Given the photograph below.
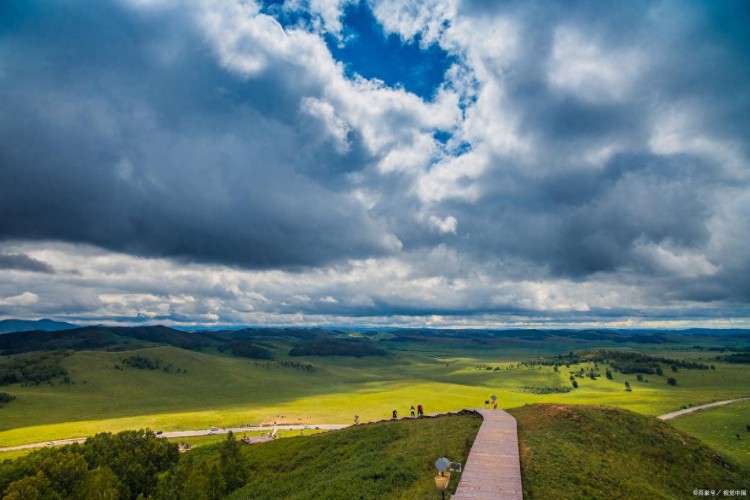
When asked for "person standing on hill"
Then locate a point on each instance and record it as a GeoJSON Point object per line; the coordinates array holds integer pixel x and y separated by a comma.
{"type": "Point", "coordinates": [420, 410]}
{"type": "Point", "coordinates": [356, 419]}
{"type": "Point", "coordinates": [412, 411]}
{"type": "Point", "coordinates": [395, 414]}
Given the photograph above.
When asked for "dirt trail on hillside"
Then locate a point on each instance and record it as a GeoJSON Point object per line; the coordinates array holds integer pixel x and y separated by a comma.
{"type": "Point", "coordinates": [675, 414]}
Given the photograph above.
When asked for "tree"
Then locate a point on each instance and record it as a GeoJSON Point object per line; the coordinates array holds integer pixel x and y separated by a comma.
{"type": "Point", "coordinates": [671, 381]}
{"type": "Point", "coordinates": [575, 384]}
{"type": "Point", "coordinates": [639, 377]}
{"type": "Point", "coordinates": [196, 485]}
{"type": "Point", "coordinates": [659, 371]}
{"type": "Point", "coordinates": [232, 463]}
{"type": "Point", "coordinates": [100, 484]}
{"type": "Point", "coordinates": [135, 457]}
{"type": "Point", "coordinates": [609, 374]}
{"type": "Point", "coordinates": [65, 470]}
{"type": "Point", "coordinates": [215, 483]}
{"type": "Point", "coordinates": [673, 367]}
{"type": "Point", "coordinates": [35, 487]}
{"type": "Point", "coordinates": [171, 485]}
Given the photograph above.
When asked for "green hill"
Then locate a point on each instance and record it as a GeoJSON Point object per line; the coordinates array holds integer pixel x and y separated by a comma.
{"type": "Point", "coordinates": [389, 460]}
{"type": "Point", "coordinates": [598, 452]}
{"type": "Point", "coordinates": [566, 452]}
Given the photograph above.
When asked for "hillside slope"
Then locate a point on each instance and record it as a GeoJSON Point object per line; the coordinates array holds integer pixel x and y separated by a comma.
{"type": "Point", "coordinates": [599, 452]}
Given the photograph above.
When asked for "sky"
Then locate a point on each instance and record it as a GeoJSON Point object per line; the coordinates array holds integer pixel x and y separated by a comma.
{"type": "Point", "coordinates": [439, 163]}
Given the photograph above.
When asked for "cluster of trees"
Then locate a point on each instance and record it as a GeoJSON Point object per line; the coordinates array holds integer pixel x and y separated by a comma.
{"type": "Point", "coordinates": [337, 347]}
{"type": "Point", "coordinates": [623, 362]}
{"type": "Point", "coordinates": [546, 390]}
{"type": "Point", "coordinates": [592, 373]}
{"type": "Point", "coordinates": [740, 357]}
{"type": "Point", "coordinates": [129, 465]}
{"type": "Point", "coordinates": [125, 466]}
{"type": "Point", "coordinates": [145, 363]}
{"type": "Point", "coordinates": [206, 479]}
{"type": "Point", "coordinates": [6, 398]}
{"type": "Point", "coordinates": [33, 369]}
{"type": "Point", "coordinates": [488, 368]}
{"type": "Point", "coordinates": [304, 367]}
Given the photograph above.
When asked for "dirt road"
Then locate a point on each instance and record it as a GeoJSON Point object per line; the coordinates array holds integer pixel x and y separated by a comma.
{"type": "Point", "coordinates": [675, 414]}
{"type": "Point", "coordinates": [201, 432]}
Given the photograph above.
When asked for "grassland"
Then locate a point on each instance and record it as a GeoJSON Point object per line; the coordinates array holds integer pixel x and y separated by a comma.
{"type": "Point", "coordinates": [566, 452]}
{"type": "Point", "coordinates": [212, 389]}
{"type": "Point", "coordinates": [596, 452]}
{"type": "Point", "coordinates": [719, 427]}
{"type": "Point", "coordinates": [392, 460]}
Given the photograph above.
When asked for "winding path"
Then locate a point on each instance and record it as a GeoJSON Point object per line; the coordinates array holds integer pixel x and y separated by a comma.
{"type": "Point", "coordinates": [183, 434]}
{"type": "Point", "coordinates": [675, 414]}
{"type": "Point", "coordinates": [493, 469]}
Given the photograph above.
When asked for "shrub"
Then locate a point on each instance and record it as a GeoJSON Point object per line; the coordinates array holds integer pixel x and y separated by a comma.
{"type": "Point", "coordinates": [671, 381]}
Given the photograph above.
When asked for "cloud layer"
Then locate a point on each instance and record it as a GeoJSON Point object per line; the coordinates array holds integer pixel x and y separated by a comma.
{"type": "Point", "coordinates": [586, 163]}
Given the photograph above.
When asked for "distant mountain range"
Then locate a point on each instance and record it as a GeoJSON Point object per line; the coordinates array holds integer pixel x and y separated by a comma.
{"type": "Point", "coordinates": [44, 325]}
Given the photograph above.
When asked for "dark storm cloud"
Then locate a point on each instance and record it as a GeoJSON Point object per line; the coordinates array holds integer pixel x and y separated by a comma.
{"type": "Point", "coordinates": [606, 170]}
{"type": "Point", "coordinates": [24, 263]}
{"type": "Point", "coordinates": [575, 219]}
{"type": "Point", "coordinates": [121, 130]}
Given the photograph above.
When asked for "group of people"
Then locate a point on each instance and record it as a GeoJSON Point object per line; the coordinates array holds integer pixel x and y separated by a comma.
{"type": "Point", "coordinates": [419, 412]}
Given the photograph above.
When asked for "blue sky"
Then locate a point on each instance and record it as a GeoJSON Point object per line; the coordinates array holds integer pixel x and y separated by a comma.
{"type": "Point", "coordinates": [434, 162]}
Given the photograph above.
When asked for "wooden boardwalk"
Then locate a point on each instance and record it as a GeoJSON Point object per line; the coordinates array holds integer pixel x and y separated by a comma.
{"type": "Point", "coordinates": [493, 469]}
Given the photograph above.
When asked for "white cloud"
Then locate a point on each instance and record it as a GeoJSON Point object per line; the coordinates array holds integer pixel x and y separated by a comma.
{"type": "Point", "coordinates": [681, 130]}
{"type": "Point", "coordinates": [683, 264]}
{"type": "Point", "coordinates": [445, 225]}
{"type": "Point", "coordinates": [580, 66]}
{"type": "Point", "coordinates": [24, 299]}
{"type": "Point", "coordinates": [409, 18]}
{"type": "Point", "coordinates": [336, 127]}
{"type": "Point", "coordinates": [112, 285]}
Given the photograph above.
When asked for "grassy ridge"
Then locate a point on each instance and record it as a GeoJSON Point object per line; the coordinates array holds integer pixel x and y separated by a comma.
{"type": "Point", "coordinates": [391, 460]}
{"type": "Point", "coordinates": [596, 452]}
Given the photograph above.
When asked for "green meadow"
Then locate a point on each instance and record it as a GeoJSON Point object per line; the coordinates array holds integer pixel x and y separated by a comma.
{"type": "Point", "coordinates": [601, 453]}
{"type": "Point", "coordinates": [726, 428]}
{"type": "Point", "coordinates": [207, 388]}
{"type": "Point", "coordinates": [566, 451]}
